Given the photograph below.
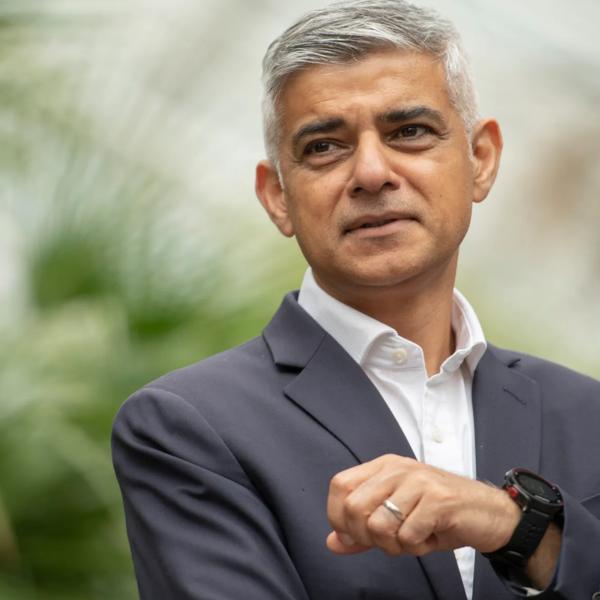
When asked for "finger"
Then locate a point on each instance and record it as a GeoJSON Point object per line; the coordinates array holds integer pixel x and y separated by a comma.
{"type": "Point", "coordinates": [337, 544]}
{"type": "Point", "coordinates": [360, 504]}
{"type": "Point", "coordinates": [418, 535]}
{"type": "Point", "coordinates": [342, 485]}
{"type": "Point", "coordinates": [383, 528]}
{"type": "Point", "coordinates": [352, 513]}
{"type": "Point", "coordinates": [386, 521]}
{"type": "Point", "coordinates": [393, 510]}
{"type": "Point", "coordinates": [355, 493]}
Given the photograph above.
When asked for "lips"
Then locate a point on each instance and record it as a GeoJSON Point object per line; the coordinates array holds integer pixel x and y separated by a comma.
{"type": "Point", "coordinates": [375, 221]}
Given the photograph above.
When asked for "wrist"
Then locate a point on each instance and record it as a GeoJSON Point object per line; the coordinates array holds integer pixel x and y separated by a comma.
{"type": "Point", "coordinates": [503, 517]}
{"type": "Point", "coordinates": [511, 517]}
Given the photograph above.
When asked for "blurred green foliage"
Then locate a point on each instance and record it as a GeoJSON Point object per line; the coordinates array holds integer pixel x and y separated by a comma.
{"type": "Point", "coordinates": [114, 296]}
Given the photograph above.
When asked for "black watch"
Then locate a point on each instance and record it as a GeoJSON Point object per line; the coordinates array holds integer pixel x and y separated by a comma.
{"type": "Point", "coordinates": [541, 504]}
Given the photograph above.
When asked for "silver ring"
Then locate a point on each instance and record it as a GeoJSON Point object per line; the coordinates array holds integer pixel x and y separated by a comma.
{"type": "Point", "coordinates": [398, 514]}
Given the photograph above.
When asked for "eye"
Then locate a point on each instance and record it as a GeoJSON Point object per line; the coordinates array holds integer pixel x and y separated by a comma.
{"type": "Point", "coordinates": [319, 147]}
{"type": "Point", "coordinates": [320, 153]}
{"type": "Point", "coordinates": [412, 131]}
{"type": "Point", "coordinates": [414, 137]}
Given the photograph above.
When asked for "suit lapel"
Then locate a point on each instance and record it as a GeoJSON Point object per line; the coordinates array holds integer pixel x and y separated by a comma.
{"type": "Point", "coordinates": [335, 391]}
{"type": "Point", "coordinates": [333, 388]}
{"type": "Point", "coordinates": [507, 415]}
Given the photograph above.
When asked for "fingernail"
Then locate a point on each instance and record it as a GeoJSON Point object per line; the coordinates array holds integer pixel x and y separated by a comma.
{"type": "Point", "coordinates": [346, 539]}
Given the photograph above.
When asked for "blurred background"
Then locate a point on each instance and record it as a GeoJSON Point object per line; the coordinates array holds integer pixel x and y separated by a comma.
{"type": "Point", "coordinates": [131, 242]}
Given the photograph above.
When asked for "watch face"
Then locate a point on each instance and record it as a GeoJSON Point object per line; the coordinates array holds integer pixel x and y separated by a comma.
{"type": "Point", "coordinates": [538, 487]}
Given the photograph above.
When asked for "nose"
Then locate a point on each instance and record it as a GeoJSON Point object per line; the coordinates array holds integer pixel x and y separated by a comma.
{"type": "Point", "coordinates": [372, 170]}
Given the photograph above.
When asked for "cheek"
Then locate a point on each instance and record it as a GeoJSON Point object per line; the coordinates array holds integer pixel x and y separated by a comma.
{"type": "Point", "coordinates": [448, 192]}
{"type": "Point", "coordinates": [313, 202]}
{"type": "Point", "coordinates": [450, 181]}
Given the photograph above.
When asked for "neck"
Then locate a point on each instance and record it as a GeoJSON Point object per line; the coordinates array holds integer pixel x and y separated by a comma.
{"type": "Point", "coordinates": [419, 311]}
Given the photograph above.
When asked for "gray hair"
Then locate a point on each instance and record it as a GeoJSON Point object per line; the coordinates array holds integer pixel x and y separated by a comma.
{"type": "Point", "coordinates": [348, 31]}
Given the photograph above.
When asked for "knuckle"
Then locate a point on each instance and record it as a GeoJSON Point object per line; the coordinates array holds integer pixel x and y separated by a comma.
{"type": "Point", "coordinates": [381, 528]}
{"type": "Point", "coordinates": [353, 506]}
{"type": "Point", "coordinates": [408, 538]}
{"type": "Point", "coordinates": [422, 477]}
{"type": "Point", "coordinates": [446, 503]}
{"type": "Point", "coordinates": [392, 478]}
{"type": "Point", "coordinates": [340, 482]}
{"type": "Point", "coordinates": [394, 459]}
{"type": "Point", "coordinates": [442, 494]}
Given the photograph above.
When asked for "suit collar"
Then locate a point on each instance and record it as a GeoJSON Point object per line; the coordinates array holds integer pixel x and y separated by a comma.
{"type": "Point", "coordinates": [293, 335]}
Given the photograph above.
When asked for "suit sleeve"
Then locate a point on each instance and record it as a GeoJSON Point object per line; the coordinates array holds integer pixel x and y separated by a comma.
{"type": "Point", "coordinates": [577, 574]}
{"type": "Point", "coordinates": [197, 527]}
{"type": "Point", "coordinates": [578, 571]}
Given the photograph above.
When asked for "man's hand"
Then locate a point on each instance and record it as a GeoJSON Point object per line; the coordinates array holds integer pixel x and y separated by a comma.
{"type": "Point", "coordinates": [442, 511]}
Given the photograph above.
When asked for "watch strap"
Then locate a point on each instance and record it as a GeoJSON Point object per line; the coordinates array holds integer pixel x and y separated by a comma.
{"type": "Point", "coordinates": [524, 541]}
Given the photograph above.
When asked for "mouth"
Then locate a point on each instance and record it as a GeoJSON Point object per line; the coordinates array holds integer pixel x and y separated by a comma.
{"type": "Point", "coordinates": [376, 225]}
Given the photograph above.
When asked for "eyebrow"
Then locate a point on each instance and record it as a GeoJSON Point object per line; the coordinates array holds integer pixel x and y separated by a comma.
{"type": "Point", "coordinates": [415, 112]}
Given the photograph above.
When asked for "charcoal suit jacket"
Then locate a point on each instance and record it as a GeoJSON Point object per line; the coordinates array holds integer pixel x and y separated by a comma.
{"type": "Point", "coordinates": [225, 465]}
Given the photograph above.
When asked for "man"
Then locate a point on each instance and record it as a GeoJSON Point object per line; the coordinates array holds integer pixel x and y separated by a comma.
{"type": "Point", "coordinates": [348, 451]}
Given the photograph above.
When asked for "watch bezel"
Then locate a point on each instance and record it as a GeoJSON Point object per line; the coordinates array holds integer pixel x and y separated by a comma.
{"type": "Point", "coordinates": [528, 498]}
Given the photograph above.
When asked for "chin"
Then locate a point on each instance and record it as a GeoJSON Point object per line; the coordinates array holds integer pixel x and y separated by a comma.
{"type": "Point", "coordinates": [378, 276]}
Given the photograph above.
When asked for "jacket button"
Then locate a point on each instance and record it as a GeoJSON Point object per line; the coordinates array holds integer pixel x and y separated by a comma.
{"type": "Point", "coordinates": [596, 596]}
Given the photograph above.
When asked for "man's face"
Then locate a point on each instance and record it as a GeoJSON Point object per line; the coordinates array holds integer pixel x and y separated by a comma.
{"type": "Point", "coordinates": [376, 170]}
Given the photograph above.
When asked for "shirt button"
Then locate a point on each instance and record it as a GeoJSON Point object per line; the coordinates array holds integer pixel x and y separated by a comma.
{"type": "Point", "coordinates": [437, 435]}
{"type": "Point", "coordinates": [400, 356]}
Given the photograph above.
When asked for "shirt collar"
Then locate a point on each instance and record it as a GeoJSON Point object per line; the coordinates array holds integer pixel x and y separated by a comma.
{"type": "Point", "coordinates": [358, 333]}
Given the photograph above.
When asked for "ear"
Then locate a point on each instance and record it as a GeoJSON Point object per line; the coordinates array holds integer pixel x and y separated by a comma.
{"type": "Point", "coordinates": [271, 195]}
{"type": "Point", "coordinates": [487, 148]}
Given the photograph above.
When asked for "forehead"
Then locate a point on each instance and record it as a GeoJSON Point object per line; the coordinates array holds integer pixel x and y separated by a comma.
{"type": "Point", "coordinates": [380, 82]}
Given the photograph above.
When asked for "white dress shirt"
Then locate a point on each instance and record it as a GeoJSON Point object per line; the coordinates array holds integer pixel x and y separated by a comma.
{"type": "Point", "coordinates": [435, 413]}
